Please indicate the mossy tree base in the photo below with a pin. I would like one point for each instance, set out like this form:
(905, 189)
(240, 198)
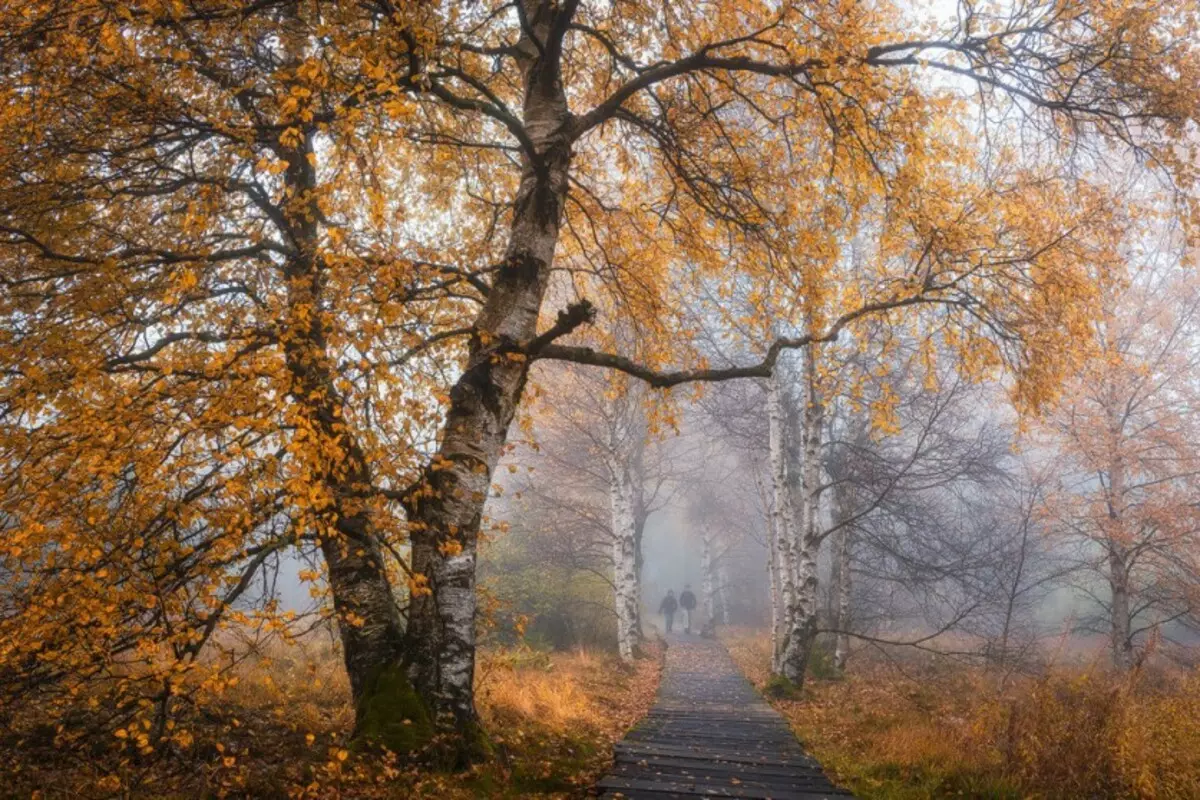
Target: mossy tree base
(392, 715)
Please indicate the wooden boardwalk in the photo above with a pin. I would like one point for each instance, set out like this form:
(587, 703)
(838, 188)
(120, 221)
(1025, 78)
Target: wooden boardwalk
(710, 734)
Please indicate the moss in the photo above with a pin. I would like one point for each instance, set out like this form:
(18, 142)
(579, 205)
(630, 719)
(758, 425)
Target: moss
(779, 687)
(391, 714)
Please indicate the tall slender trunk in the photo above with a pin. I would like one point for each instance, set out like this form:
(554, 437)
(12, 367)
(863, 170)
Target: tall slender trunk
(708, 577)
(1117, 541)
(774, 557)
(621, 496)
(803, 618)
(782, 514)
(444, 510)
(1122, 623)
(842, 559)
(722, 610)
(640, 515)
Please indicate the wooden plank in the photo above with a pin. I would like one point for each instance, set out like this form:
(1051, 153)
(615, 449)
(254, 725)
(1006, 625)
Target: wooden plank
(790, 783)
(633, 789)
(704, 763)
(711, 735)
(669, 750)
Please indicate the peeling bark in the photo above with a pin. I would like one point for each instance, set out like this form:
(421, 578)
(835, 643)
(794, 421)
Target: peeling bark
(774, 558)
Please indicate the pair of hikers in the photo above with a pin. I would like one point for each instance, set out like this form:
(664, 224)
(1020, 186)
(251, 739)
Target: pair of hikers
(669, 605)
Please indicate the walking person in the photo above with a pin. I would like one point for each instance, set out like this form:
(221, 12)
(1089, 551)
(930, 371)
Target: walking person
(668, 607)
(687, 601)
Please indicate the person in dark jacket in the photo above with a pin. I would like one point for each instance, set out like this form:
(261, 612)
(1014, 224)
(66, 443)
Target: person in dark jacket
(687, 601)
(667, 608)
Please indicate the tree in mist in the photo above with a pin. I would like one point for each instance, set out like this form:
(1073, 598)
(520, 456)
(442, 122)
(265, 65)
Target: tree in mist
(597, 465)
(285, 265)
(1129, 444)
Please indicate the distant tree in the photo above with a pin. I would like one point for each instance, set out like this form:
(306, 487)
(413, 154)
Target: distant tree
(1128, 431)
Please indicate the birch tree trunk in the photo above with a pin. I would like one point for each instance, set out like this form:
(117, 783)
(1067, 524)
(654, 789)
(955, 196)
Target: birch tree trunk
(803, 617)
(444, 511)
(708, 578)
(625, 578)
(774, 559)
(640, 515)
(783, 518)
(841, 603)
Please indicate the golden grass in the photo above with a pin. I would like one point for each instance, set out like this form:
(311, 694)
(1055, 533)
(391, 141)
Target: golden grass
(949, 730)
(280, 729)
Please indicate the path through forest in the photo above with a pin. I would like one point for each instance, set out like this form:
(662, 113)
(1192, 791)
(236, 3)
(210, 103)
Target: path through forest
(710, 734)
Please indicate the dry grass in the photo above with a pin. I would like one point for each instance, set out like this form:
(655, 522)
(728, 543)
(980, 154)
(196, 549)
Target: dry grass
(280, 730)
(905, 731)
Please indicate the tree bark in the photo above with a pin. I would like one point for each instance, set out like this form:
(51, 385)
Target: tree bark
(1117, 538)
(708, 577)
(625, 583)
(774, 558)
(368, 619)
(444, 510)
(841, 604)
(803, 617)
(783, 518)
(1122, 624)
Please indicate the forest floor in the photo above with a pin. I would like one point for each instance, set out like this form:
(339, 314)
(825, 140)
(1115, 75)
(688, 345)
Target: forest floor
(921, 727)
(282, 731)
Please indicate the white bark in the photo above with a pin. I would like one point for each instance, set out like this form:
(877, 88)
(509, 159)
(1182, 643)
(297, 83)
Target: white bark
(782, 515)
(626, 441)
(708, 573)
(778, 615)
(722, 612)
(625, 583)
(803, 615)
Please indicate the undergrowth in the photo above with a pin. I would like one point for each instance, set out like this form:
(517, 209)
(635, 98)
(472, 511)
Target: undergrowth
(923, 730)
(282, 729)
